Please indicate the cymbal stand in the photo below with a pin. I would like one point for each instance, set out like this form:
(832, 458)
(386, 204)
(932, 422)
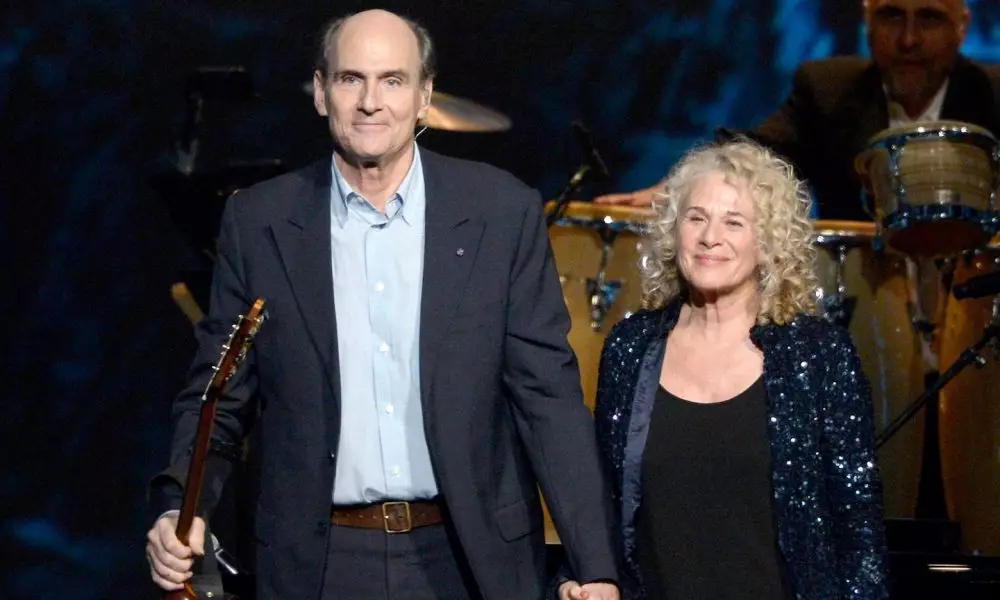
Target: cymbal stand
(969, 356)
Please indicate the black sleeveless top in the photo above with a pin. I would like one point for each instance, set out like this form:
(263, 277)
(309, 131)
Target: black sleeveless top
(706, 527)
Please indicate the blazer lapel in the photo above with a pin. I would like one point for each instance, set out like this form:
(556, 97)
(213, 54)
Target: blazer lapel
(303, 241)
(451, 243)
(867, 111)
(970, 97)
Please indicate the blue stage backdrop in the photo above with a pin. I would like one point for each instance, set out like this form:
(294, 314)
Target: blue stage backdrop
(92, 99)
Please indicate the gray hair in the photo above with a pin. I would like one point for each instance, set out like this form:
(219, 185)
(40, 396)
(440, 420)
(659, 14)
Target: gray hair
(786, 256)
(428, 58)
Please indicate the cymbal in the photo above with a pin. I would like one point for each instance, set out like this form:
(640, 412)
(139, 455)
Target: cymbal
(451, 113)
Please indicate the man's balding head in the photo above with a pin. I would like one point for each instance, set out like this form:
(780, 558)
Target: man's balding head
(954, 7)
(425, 47)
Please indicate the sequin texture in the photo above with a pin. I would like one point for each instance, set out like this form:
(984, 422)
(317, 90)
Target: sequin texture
(827, 491)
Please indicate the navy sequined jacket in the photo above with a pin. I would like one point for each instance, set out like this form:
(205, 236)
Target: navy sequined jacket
(827, 492)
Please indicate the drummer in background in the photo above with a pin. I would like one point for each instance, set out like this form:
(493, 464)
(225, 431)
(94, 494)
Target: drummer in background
(836, 105)
(735, 424)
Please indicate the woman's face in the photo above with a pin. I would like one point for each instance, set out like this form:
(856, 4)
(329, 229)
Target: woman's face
(717, 242)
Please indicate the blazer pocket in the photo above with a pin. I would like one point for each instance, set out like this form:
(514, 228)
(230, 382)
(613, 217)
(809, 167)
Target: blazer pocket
(516, 521)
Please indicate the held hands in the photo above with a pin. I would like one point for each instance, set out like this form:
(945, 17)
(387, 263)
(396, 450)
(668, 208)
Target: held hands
(641, 198)
(571, 590)
(169, 560)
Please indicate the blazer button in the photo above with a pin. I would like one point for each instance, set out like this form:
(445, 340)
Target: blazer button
(333, 456)
(321, 527)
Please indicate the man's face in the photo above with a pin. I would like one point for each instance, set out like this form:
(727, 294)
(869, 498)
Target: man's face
(914, 43)
(372, 94)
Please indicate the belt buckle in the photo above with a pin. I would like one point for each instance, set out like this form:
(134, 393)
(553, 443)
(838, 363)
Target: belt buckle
(399, 511)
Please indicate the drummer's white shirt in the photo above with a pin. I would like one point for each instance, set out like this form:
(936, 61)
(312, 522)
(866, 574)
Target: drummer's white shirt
(898, 116)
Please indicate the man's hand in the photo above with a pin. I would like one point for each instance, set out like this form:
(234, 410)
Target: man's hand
(169, 560)
(642, 198)
(571, 590)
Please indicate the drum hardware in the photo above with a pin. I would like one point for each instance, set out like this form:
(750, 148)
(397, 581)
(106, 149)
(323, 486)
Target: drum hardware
(977, 287)
(601, 291)
(971, 355)
(837, 307)
(927, 328)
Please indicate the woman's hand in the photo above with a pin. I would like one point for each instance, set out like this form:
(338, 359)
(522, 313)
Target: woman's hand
(571, 590)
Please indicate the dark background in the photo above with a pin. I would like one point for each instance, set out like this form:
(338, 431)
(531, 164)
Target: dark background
(92, 103)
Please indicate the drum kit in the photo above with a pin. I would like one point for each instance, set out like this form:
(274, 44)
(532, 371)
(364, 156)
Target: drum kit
(934, 186)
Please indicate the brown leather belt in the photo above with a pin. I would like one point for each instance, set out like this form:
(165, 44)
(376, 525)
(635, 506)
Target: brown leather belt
(391, 517)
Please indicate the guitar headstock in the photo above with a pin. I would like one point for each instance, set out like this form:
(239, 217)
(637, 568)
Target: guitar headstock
(235, 350)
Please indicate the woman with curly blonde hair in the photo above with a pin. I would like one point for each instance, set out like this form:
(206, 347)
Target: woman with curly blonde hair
(737, 424)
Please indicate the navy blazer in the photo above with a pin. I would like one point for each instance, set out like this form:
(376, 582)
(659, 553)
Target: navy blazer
(826, 487)
(500, 390)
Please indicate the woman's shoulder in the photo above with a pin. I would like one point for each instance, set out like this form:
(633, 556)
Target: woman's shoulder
(634, 328)
(806, 332)
(812, 327)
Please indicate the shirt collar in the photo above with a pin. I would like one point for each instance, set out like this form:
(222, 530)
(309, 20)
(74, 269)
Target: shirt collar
(408, 196)
(898, 116)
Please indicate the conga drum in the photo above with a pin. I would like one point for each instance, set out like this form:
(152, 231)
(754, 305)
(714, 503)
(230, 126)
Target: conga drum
(597, 250)
(866, 292)
(934, 185)
(970, 414)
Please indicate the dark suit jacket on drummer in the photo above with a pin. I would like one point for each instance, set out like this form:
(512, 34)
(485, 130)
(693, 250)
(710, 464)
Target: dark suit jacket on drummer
(838, 104)
(500, 387)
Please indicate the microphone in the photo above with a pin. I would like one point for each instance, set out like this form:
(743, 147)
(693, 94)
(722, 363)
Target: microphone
(979, 286)
(587, 143)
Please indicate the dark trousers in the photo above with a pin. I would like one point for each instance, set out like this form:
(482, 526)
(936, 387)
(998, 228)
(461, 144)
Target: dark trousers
(423, 564)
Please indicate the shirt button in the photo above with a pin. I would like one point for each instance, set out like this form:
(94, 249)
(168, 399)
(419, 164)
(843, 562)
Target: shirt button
(383, 348)
(394, 471)
(388, 409)
(379, 286)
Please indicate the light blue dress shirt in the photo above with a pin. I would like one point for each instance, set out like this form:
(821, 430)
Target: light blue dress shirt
(377, 277)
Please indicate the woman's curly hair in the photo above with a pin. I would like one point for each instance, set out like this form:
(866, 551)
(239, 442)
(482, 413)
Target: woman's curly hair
(787, 283)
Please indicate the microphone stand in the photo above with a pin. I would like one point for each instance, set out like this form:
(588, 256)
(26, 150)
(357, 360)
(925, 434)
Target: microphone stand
(969, 356)
(562, 201)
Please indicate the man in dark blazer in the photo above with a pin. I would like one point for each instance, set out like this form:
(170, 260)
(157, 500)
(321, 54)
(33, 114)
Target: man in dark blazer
(413, 378)
(836, 105)
(916, 74)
